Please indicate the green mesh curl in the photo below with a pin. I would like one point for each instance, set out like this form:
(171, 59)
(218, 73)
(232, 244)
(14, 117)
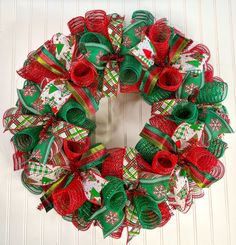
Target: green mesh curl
(130, 70)
(72, 112)
(146, 149)
(156, 95)
(143, 15)
(217, 147)
(85, 211)
(212, 92)
(93, 37)
(185, 112)
(148, 212)
(27, 139)
(114, 194)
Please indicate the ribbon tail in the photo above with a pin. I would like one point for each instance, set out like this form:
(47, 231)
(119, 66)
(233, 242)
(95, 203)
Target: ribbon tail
(111, 79)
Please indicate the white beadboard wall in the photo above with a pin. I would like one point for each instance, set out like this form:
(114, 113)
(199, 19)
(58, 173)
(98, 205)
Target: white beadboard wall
(26, 24)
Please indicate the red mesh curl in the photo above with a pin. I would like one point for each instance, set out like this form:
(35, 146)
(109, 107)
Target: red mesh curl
(208, 74)
(70, 198)
(74, 150)
(83, 73)
(164, 162)
(159, 34)
(165, 213)
(97, 21)
(76, 25)
(170, 79)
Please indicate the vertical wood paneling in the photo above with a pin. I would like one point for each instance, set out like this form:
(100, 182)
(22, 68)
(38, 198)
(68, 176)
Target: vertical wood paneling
(26, 24)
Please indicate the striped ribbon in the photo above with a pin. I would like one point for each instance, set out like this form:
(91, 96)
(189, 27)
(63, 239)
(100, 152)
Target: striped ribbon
(158, 138)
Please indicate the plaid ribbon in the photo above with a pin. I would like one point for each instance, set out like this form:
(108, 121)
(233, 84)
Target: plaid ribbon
(69, 131)
(111, 74)
(115, 29)
(133, 224)
(15, 121)
(111, 79)
(43, 174)
(165, 107)
(130, 166)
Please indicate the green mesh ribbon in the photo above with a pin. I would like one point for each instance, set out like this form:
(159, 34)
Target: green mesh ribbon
(96, 46)
(27, 139)
(144, 16)
(146, 149)
(130, 70)
(81, 217)
(72, 112)
(114, 194)
(148, 212)
(185, 112)
(130, 37)
(212, 92)
(156, 95)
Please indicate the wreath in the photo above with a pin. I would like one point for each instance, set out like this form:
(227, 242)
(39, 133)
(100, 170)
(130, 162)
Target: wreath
(121, 188)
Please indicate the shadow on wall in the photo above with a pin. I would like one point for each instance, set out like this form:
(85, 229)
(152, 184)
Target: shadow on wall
(111, 128)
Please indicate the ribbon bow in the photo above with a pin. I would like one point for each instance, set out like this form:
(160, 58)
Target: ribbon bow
(119, 54)
(131, 195)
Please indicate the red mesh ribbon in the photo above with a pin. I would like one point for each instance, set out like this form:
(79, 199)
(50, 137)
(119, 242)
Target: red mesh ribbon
(164, 124)
(142, 164)
(205, 168)
(170, 79)
(97, 21)
(76, 25)
(201, 158)
(74, 150)
(159, 34)
(113, 164)
(36, 72)
(165, 213)
(41, 65)
(83, 73)
(208, 74)
(70, 198)
(164, 162)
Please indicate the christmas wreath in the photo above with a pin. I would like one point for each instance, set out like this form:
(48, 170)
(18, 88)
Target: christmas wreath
(121, 188)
